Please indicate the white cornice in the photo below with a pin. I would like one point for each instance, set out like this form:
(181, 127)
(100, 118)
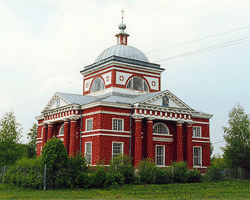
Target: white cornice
(103, 134)
(105, 112)
(202, 115)
(120, 64)
(40, 117)
(107, 130)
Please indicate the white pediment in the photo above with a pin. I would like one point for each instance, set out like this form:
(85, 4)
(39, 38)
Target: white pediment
(56, 102)
(167, 99)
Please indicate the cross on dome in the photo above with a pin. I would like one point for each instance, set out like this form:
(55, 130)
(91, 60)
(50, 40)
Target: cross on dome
(122, 36)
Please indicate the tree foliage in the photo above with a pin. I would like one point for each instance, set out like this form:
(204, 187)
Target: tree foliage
(32, 136)
(55, 157)
(10, 134)
(237, 136)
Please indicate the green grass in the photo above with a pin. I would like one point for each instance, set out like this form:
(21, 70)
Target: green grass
(206, 190)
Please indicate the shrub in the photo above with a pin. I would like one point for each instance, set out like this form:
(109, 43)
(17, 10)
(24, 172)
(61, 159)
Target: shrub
(180, 172)
(26, 173)
(98, 178)
(114, 179)
(83, 180)
(75, 171)
(55, 157)
(123, 165)
(194, 176)
(163, 176)
(147, 170)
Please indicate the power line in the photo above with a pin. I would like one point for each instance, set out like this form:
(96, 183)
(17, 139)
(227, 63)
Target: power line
(207, 49)
(38, 87)
(198, 39)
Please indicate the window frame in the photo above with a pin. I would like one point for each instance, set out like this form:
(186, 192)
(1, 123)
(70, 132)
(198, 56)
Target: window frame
(93, 85)
(86, 127)
(60, 130)
(164, 159)
(85, 153)
(116, 142)
(160, 133)
(117, 124)
(197, 156)
(142, 84)
(196, 127)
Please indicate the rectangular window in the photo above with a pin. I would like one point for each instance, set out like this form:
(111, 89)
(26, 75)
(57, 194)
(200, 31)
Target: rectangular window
(88, 152)
(117, 149)
(196, 131)
(197, 156)
(89, 124)
(160, 155)
(118, 124)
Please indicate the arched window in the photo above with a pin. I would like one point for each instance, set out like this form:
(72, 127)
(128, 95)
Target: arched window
(97, 85)
(160, 128)
(61, 131)
(137, 83)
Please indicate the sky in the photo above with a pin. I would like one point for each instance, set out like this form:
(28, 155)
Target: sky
(45, 43)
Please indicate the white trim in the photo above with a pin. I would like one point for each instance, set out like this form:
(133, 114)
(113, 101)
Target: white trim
(159, 133)
(96, 130)
(39, 124)
(135, 70)
(163, 135)
(103, 134)
(113, 147)
(201, 122)
(162, 139)
(200, 167)
(199, 127)
(39, 142)
(201, 138)
(117, 124)
(200, 141)
(60, 136)
(105, 112)
(86, 150)
(163, 156)
(86, 124)
(201, 156)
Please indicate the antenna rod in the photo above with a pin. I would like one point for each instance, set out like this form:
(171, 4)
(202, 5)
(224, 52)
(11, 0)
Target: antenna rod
(122, 15)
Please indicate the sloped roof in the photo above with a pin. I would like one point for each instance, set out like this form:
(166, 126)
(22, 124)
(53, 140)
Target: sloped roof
(77, 98)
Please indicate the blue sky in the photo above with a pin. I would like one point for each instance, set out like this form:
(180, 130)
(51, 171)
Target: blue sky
(44, 45)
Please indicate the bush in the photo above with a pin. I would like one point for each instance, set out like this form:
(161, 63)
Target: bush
(163, 176)
(114, 179)
(55, 157)
(147, 170)
(98, 178)
(83, 180)
(123, 165)
(194, 176)
(180, 172)
(25, 173)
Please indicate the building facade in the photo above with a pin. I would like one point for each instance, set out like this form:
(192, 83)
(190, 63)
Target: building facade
(124, 111)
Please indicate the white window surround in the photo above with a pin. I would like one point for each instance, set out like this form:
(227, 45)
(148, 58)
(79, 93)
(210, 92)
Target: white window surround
(89, 125)
(90, 153)
(156, 146)
(197, 156)
(197, 131)
(137, 83)
(97, 85)
(160, 126)
(61, 130)
(122, 147)
(122, 125)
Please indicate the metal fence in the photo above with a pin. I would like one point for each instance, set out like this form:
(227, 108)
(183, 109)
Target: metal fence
(45, 177)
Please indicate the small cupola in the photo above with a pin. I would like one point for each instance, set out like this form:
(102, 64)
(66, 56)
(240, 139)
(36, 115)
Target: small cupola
(122, 37)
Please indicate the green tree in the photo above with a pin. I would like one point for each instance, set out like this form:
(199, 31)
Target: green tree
(55, 157)
(10, 134)
(32, 136)
(237, 136)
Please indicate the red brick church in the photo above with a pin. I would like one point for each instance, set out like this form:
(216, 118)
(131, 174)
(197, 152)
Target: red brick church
(124, 111)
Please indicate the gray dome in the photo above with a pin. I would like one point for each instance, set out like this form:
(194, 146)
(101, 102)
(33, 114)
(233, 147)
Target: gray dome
(122, 51)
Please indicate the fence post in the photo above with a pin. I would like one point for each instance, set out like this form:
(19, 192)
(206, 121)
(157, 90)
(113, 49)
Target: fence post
(44, 178)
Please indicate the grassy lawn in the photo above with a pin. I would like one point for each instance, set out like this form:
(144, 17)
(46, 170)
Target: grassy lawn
(207, 190)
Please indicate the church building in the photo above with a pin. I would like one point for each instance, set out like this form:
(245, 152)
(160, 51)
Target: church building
(124, 111)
